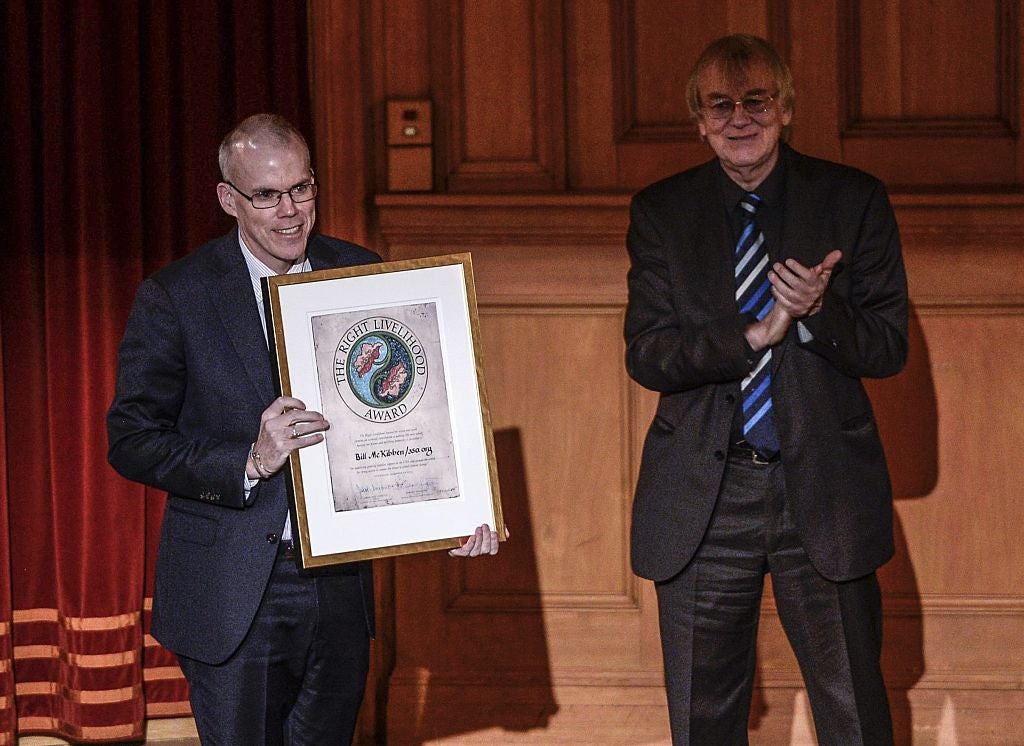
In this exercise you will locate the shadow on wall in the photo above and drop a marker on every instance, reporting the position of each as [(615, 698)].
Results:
[(907, 415), (500, 678)]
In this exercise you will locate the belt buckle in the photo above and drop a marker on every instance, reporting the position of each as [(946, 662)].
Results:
[(758, 459)]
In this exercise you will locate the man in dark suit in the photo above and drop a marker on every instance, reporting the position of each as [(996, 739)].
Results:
[(763, 285), (272, 654)]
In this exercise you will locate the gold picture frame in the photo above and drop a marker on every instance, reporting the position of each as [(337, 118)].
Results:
[(390, 354)]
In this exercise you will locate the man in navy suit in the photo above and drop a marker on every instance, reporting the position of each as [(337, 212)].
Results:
[(763, 286), (272, 654)]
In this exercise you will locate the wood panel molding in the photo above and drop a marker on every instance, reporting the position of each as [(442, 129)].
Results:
[(946, 604), (504, 90), (962, 250), (927, 98), (856, 51), (628, 76), (555, 219), (341, 133)]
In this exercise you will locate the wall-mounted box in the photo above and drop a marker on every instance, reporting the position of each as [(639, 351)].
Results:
[(410, 151)]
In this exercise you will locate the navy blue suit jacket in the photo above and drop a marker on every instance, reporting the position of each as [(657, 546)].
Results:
[(684, 338), (194, 375)]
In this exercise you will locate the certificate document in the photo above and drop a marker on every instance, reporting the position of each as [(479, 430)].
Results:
[(382, 384)]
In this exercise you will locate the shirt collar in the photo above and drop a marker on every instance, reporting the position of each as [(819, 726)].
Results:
[(258, 269)]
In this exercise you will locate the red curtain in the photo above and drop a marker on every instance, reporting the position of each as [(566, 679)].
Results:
[(114, 113)]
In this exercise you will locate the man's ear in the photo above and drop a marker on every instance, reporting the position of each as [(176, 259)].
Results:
[(226, 197)]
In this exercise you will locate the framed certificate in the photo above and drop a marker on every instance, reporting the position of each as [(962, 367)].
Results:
[(389, 353)]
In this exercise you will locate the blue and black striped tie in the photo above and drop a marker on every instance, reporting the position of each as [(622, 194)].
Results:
[(754, 297)]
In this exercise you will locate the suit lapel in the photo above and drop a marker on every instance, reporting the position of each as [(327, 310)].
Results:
[(231, 294), (805, 206), (802, 237), (317, 254), (707, 257), (324, 254)]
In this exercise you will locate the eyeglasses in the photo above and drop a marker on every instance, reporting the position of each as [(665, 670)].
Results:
[(755, 106), (264, 199)]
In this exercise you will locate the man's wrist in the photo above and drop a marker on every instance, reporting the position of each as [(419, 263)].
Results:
[(757, 336), (257, 464)]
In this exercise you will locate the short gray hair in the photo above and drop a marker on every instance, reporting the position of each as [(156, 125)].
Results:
[(270, 128)]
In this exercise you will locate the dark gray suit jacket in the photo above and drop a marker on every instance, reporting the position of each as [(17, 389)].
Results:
[(194, 376), (685, 339)]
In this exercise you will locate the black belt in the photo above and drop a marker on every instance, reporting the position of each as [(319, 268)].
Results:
[(747, 452)]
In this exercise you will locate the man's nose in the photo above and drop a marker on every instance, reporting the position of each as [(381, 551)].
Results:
[(287, 205), (739, 114)]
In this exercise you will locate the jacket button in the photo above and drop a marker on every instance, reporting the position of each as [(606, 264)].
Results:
[(730, 399), (719, 456), (272, 538)]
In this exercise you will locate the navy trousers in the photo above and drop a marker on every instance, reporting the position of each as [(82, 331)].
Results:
[(709, 619), (299, 675)]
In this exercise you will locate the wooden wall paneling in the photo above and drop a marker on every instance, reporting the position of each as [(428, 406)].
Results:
[(571, 458), (400, 62), (650, 100), (963, 250), (554, 638), (951, 606), (504, 94), (342, 135), (953, 596), (590, 128), (519, 242), (929, 99), (571, 633), (813, 59), (977, 407), (405, 44), (1017, 104), (933, 67), (952, 612)]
